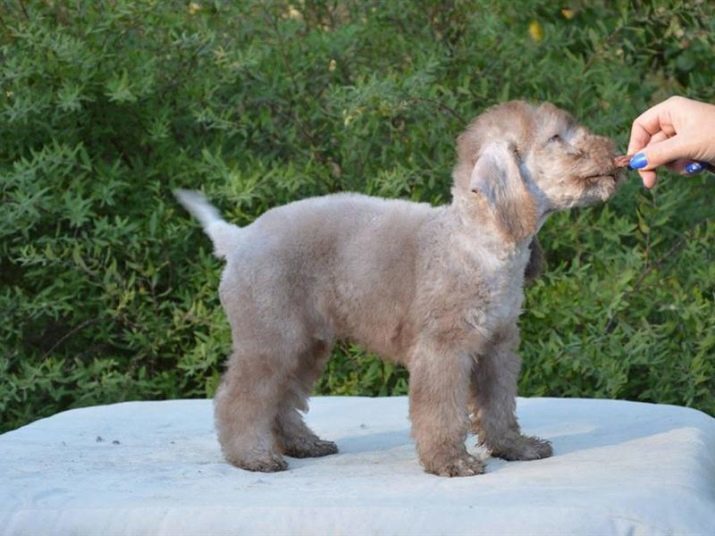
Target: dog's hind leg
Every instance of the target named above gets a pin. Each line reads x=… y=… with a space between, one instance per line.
x=493 y=403
x=271 y=342
x=293 y=435
x=297 y=440
x=245 y=407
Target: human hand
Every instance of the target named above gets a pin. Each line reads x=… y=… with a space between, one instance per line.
x=678 y=132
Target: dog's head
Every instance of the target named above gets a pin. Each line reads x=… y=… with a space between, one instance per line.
x=523 y=162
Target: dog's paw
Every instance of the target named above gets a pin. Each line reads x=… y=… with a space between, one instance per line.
x=523 y=448
x=310 y=448
x=271 y=463
x=464 y=465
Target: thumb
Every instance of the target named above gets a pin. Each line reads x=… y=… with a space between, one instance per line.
x=660 y=153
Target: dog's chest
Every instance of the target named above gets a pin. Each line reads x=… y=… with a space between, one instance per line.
x=504 y=299
x=500 y=297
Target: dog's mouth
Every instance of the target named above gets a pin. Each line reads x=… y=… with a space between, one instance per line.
x=601 y=178
x=614 y=175
x=603 y=184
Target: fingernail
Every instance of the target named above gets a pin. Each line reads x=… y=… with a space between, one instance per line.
x=638 y=161
x=693 y=168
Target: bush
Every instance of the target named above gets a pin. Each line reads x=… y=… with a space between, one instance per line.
x=108 y=289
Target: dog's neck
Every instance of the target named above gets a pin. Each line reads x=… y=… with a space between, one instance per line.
x=477 y=232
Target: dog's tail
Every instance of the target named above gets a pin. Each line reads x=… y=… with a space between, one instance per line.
x=224 y=235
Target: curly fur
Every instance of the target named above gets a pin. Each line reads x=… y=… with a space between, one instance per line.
x=438 y=290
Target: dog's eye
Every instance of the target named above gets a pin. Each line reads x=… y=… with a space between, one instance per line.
x=555 y=138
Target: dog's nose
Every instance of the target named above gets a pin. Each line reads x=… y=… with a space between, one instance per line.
x=603 y=151
x=607 y=144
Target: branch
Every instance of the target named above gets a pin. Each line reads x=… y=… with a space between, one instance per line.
x=611 y=324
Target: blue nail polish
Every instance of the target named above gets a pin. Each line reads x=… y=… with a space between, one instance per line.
x=693 y=167
x=638 y=161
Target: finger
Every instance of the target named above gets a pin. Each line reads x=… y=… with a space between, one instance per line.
x=693 y=168
x=658 y=154
x=658 y=137
x=648 y=124
x=640 y=137
x=678 y=166
x=649 y=178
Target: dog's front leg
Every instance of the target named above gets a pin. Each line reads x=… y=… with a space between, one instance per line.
x=493 y=403
x=439 y=391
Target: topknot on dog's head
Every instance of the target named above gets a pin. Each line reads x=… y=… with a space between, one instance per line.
x=515 y=123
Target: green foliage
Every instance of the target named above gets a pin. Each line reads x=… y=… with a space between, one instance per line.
x=108 y=289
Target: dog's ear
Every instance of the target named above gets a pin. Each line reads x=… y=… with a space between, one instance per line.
x=496 y=176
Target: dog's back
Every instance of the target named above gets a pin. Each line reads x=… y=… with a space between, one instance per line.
x=350 y=258
x=344 y=263
x=328 y=228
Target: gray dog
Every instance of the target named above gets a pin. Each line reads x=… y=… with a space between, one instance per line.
x=438 y=290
